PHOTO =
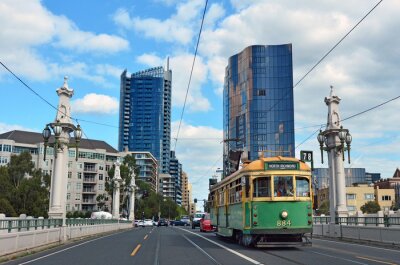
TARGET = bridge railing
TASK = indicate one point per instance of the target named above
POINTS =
(17, 225)
(386, 221)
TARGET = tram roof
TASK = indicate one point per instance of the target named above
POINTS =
(259, 164)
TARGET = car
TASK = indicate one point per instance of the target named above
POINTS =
(146, 222)
(186, 220)
(205, 224)
(162, 222)
(196, 219)
(136, 223)
(179, 223)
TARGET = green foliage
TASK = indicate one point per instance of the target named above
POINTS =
(323, 208)
(370, 207)
(7, 208)
(101, 201)
(24, 188)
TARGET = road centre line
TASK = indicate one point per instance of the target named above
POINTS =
(226, 248)
(202, 250)
(65, 249)
(136, 250)
(379, 261)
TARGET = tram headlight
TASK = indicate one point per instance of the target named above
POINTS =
(284, 214)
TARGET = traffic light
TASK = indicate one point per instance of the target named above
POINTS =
(195, 200)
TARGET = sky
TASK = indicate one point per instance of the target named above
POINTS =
(92, 42)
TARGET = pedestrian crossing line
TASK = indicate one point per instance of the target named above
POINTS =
(136, 250)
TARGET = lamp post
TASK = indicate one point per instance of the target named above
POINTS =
(62, 127)
(332, 141)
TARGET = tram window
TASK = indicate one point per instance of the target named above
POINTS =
(302, 187)
(283, 186)
(247, 186)
(262, 187)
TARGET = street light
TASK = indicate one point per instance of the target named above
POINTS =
(344, 137)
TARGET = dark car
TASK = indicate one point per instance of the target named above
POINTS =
(178, 223)
(162, 222)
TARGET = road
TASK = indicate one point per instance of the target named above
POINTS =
(180, 245)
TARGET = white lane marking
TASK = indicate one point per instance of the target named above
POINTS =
(354, 244)
(202, 250)
(65, 249)
(226, 248)
(336, 257)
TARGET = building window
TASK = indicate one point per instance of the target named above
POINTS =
(78, 186)
(78, 197)
(100, 176)
(101, 187)
(107, 168)
(69, 164)
(369, 196)
(7, 148)
(350, 196)
(69, 186)
(77, 207)
(101, 167)
(351, 208)
(68, 196)
(68, 207)
(261, 92)
(386, 198)
(69, 174)
(79, 175)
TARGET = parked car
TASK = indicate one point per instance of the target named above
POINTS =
(162, 222)
(205, 224)
(196, 219)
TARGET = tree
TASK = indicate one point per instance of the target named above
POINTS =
(7, 208)
(370, 207)
(24, 187)
(101, 201)
(324, 208)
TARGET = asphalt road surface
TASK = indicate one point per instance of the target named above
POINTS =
(181, 246)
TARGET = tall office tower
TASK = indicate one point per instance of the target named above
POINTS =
(175, 170)
(258, 104)
(145, 114)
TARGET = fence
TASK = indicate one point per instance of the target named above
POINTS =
(385, 221)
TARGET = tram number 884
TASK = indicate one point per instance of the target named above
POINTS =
(283, 223)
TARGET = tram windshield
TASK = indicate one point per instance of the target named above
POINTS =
(302, 187)
(283, 186)
(262, 187)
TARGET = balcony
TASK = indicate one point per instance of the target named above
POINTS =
(89, 191)
(88, 201)
(89, 180)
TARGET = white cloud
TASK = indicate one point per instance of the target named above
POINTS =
(110, 70)
(203, 143)
(11, 127)
(176, 29)
(95, 103)
(26, 26)
(151, 60)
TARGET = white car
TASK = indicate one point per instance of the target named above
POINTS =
(146, 222)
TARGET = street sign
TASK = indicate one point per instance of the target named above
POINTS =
(307, 156)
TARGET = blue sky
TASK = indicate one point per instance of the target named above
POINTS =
(92, 42)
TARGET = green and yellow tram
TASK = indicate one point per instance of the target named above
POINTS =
(268, 202)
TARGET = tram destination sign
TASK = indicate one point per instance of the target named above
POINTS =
(281, 166)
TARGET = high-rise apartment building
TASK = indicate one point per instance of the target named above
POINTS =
(145, 114)
(175, 170)
(258, 103)
(185, 191)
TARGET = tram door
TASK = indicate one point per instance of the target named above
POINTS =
(247, 201)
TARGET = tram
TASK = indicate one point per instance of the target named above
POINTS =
(268, 202)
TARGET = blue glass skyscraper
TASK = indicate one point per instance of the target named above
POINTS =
(145, 114)
(258, 103)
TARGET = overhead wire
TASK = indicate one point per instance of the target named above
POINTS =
(191, 73)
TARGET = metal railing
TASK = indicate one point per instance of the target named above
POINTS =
(385, 221)
(19, 225)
